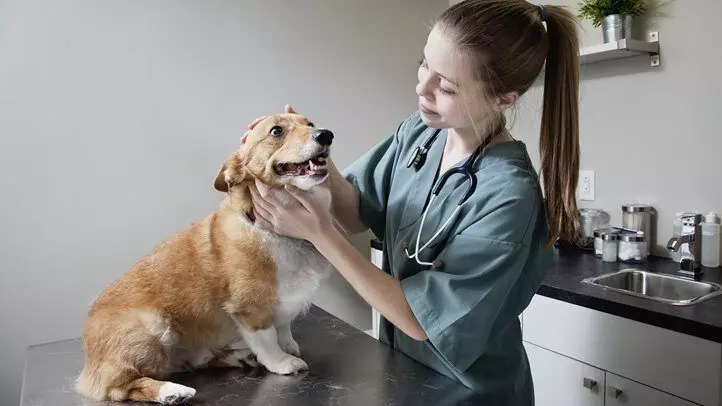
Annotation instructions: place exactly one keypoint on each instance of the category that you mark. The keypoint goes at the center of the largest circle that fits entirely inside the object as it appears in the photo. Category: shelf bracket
(653, 58)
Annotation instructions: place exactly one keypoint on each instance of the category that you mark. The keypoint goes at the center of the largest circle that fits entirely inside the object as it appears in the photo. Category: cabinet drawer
(562, 381)
(680, 364)
(623, 392)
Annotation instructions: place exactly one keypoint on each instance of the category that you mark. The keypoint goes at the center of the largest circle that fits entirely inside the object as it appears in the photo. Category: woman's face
(449, 97)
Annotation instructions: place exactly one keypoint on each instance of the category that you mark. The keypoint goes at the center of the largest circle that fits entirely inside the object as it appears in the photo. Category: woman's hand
(293, 212)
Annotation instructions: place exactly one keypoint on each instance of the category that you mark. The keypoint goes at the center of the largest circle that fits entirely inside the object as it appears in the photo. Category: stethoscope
(417, 160)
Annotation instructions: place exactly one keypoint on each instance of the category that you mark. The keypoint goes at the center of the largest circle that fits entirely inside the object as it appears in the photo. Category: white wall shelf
(623, 48)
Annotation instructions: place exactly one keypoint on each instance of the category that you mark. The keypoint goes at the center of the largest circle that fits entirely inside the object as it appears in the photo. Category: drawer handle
(590, 383)
(613, 392)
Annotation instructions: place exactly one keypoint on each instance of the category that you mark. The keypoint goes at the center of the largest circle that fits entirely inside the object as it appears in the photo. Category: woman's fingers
(259, 201)
(260, 219)
(255, 122)
(287, 108)
(263, 213)
(303, 197)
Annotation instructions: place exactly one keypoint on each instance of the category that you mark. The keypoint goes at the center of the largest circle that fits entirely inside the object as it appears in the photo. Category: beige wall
(652, 135)
(115, 117)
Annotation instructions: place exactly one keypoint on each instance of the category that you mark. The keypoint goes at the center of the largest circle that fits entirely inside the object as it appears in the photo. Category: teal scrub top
(493, 257)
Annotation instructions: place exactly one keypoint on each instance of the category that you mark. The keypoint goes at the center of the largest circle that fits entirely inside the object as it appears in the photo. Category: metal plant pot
(616, 27)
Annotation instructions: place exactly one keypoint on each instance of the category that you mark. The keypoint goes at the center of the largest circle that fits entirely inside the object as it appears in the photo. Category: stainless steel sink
(662, 288)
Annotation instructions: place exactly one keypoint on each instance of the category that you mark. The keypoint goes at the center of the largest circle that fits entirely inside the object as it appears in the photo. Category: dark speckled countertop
(346, 367)
(564, 282)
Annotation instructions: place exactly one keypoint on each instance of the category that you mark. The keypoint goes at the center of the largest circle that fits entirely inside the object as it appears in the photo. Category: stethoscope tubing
(418, 159)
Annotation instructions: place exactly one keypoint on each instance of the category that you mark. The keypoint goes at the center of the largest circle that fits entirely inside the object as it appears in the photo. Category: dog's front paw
(288, 365)
(290, 346)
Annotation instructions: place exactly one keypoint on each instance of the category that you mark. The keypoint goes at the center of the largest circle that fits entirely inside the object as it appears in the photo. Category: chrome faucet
(689, 266)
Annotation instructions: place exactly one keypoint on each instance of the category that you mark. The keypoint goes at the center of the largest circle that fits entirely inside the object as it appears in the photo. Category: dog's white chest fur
(300, 269)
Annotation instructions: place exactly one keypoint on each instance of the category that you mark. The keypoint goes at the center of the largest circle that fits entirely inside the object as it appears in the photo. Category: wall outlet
(585, 188)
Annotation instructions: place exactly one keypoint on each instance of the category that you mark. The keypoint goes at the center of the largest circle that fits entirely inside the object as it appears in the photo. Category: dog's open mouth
(315, 166)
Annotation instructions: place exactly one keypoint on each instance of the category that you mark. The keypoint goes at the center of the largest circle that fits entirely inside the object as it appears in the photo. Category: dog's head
(281, 149)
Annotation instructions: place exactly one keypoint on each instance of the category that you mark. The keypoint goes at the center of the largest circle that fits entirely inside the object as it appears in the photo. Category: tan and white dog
(222, 292)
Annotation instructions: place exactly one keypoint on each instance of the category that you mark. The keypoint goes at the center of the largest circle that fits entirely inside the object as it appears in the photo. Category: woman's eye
(311, 124)
(276, 131)
(447, 92)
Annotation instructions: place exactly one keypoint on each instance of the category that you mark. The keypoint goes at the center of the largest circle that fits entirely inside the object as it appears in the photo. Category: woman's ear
(507, 100)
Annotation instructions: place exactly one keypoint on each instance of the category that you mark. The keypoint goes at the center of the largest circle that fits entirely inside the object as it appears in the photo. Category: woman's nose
(424, 90)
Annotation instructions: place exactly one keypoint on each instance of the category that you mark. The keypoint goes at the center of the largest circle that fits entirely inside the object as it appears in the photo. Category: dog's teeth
(322, 159)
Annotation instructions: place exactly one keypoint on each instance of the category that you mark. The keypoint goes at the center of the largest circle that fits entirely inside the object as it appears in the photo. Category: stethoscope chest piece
(417, 159)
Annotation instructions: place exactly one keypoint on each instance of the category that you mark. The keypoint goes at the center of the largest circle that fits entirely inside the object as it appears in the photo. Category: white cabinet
(655, 366)
(623, 392)
(562, 381)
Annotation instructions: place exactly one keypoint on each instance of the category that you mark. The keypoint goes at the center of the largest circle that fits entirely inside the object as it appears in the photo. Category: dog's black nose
(323, 137)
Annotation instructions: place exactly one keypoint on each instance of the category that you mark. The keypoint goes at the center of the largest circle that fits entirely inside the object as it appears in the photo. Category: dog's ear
(232, 173)
(221, 182)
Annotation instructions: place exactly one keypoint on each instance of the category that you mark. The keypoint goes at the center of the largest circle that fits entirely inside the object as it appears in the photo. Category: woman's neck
(465, 140)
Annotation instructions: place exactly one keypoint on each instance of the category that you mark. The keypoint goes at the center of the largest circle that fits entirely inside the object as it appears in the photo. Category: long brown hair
(510, 45)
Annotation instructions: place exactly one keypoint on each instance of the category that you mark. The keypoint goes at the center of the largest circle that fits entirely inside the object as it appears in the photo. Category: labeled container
(711, 241)
(638, 217)
(632, 247)
(610, 243)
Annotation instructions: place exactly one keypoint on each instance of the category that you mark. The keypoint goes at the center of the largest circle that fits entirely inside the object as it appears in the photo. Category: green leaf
(596, 10)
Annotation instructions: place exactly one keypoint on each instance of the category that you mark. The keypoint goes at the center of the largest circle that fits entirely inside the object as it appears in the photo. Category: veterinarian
(454, 304)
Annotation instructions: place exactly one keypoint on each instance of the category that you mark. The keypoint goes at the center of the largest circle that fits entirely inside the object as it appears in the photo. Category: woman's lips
(425, 110)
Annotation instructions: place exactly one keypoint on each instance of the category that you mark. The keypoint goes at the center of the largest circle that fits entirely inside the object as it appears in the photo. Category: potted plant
(615, 16)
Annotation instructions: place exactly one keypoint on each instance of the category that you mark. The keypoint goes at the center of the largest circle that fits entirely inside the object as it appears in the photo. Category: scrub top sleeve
(371, 174)
(460, 305)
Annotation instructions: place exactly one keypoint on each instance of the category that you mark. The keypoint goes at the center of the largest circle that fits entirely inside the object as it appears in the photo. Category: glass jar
(591, 219)
(598, 243)
(610, 243)
(632, 248)
(638, 217)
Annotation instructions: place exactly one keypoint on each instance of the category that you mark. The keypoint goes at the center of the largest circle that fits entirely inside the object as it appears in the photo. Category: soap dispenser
(711, 241)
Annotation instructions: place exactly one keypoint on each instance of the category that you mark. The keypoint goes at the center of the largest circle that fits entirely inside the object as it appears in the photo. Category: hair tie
(542, 13)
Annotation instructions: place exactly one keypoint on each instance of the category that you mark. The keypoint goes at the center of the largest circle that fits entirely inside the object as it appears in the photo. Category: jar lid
(612, 236)
(601, 231)
(633, 237)
(636, 208)
(591, 212)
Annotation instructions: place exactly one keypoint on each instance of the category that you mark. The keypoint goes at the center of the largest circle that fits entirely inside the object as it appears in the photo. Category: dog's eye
(276, 131)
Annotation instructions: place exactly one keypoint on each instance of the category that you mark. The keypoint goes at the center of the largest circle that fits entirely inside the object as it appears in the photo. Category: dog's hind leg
(151, 390)
(126, 355)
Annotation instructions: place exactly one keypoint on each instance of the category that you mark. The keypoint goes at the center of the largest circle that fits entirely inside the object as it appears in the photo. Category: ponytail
(559, 139)
(511, 45)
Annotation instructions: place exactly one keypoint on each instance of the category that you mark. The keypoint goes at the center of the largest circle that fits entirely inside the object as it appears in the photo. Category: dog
(222, 292)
